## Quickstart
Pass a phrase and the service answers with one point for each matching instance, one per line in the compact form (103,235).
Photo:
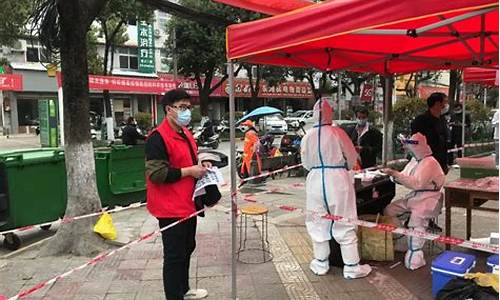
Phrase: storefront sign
(367,93)
(146,45)
(425,91)
(127,84)
(282,90)
(11,82)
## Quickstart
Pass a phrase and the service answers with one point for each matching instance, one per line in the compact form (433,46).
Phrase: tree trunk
(106,97)
(204,101)
(76,237)
(390,119)
(452,90)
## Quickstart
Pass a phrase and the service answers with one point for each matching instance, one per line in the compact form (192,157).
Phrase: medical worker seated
(425,178)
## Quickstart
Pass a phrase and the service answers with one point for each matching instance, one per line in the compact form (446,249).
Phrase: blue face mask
(184,117)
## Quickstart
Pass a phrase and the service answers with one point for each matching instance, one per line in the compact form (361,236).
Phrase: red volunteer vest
(173,200)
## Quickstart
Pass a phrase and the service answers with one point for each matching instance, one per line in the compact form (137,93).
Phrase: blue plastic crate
(448,266)
(492,263)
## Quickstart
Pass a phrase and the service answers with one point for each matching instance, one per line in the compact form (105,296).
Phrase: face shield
(416,145)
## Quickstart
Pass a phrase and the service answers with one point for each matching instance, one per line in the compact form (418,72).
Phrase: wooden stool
(249,211)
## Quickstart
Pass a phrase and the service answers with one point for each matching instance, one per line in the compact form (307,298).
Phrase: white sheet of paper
(213,176)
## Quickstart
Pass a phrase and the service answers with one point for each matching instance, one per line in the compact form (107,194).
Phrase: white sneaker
(196,294)
(318,267)
(357,271)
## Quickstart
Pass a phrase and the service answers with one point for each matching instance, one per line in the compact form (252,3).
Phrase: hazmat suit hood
(322,109)
(417,144)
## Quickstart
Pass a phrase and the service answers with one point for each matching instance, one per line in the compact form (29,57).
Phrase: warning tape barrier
(457,149)
(287,168)
(101,257)
(72,219)
(388,228)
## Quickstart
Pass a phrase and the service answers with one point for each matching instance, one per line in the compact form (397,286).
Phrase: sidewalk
(136,273)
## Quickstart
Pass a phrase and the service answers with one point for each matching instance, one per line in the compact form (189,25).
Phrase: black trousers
(178,245)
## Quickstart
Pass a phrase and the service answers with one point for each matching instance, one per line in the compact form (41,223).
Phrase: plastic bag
(105,228)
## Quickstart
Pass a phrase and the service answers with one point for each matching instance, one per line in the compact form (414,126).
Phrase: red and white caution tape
(267,173)
(101,257)
(389,228)
(473,145)
(71,219)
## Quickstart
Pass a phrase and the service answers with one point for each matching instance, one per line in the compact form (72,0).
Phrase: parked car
(302,118)
(273,124)
(347,125)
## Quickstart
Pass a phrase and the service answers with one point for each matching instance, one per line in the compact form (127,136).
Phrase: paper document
(212,177)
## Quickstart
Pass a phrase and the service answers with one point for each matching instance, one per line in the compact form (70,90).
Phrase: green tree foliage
(95,61)
(200,48)
(112,22)
(405,110)
(14,15)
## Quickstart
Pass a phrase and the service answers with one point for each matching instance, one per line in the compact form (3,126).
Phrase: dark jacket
(437,134)
(371,143)
(130,135)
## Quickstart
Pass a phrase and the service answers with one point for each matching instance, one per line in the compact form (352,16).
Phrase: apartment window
(36,53)
(128,58)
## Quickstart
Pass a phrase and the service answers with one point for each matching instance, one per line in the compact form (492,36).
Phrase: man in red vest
(171,172)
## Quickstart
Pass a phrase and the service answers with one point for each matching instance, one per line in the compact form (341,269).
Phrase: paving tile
(121,296)
(133,264)
(95,287)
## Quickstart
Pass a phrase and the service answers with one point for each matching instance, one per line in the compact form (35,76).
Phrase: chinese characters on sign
(282,90)
(11,82)
(367,93)
(146,45)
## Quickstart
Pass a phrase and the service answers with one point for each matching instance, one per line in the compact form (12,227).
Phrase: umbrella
(260,112)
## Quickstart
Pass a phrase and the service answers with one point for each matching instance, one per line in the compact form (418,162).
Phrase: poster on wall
(146,45)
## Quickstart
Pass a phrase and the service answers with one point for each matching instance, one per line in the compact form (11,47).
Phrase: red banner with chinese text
(11,82)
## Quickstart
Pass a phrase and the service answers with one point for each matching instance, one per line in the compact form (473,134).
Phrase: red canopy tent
(381,36)
(483,76)
(268,7)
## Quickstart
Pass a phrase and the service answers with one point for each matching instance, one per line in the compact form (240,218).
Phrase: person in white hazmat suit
(328,153)
(425,178)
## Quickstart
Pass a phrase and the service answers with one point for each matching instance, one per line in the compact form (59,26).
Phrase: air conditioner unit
(157,32)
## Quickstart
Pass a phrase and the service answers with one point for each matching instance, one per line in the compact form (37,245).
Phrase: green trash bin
(32,189)
(120,174)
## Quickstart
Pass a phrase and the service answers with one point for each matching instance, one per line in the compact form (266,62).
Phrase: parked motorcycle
(204,138)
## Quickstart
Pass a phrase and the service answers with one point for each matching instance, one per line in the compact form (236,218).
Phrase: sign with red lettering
(11,82)
(282,90)
(127,84)
(367,93)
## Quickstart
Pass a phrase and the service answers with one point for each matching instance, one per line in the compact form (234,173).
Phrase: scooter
(202,140)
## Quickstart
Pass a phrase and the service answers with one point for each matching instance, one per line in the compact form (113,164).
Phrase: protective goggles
(406,141)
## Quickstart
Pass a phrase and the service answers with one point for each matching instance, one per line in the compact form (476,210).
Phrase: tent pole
(387,101)
(339,95)
(429,27)
(232,155)
(463,117)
